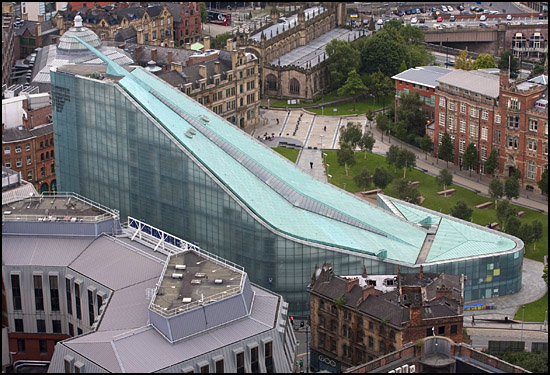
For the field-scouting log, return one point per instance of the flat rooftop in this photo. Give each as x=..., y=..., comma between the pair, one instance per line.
x=92, y=71
x=54, y=208
x=200, y=281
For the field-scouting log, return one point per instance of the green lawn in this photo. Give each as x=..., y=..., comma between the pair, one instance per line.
x=534, y=311
x=347, y=108
x=428, y=189
x=289, y=153
x=317, y=100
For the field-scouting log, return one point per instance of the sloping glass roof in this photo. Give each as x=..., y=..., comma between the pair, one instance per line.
x=416, y=216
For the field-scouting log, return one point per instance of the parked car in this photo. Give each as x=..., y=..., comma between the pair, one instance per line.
x=423, y=27
x=439, y=19
x=422, y=20
x=414, y=20
x=483, y=18
x=380, y=22
x=437, y=26
x=483, y=24
x=452, y=19
x=444, y=8
x=460, y=26
x=494, y=12
x=479, y=10
x=473, y=8
x=460, y=7
x=509, y=17
x=541, y=16
x=486, y=11
x=450, y=8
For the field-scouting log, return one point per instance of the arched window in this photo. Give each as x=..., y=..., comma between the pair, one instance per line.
x=294, y=86
x=271, y=82
x=531, y=170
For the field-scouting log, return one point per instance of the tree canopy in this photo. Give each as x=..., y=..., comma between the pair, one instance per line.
x=350, y=134
x=507, y=58
x=392, y=155
x=345, y=155
x=461, y=210
x=504, y=211
x=426, y=144
x=446, y=149
x=382, y=177
x=382, y=123
x=484, y=61
x=367, y=142
x=463, y=61
x=204, y=13
x=407, y=192
x=511, y=187
x=412, y=121
x=469, y=159
x=354, y=86
x=363, y=179
x=342, y=57
x=491, y=164
x=405, y=159
x=445, y=178
x=496, y=190
x=543, y=183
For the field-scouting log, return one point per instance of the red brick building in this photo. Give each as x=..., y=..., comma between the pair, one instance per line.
x=187, y=22
x=524, y=142
x=354, y=321
x=29, y=148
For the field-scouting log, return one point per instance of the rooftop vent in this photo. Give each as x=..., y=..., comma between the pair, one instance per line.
x=218, y=281
x=186, y=300
x=200, y=275
x=181, y=266
x=177, y=276
x=195, y=282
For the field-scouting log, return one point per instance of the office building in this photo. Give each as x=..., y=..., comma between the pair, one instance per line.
x=152, y=152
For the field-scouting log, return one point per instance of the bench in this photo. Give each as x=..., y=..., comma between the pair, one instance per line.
x=521, y=213
x=370, y=192
x=447, y=192
x=484, y=205
x=421, y=199
x=415, y=183
x=494, y=225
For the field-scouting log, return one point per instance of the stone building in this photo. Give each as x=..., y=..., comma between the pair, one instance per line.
x=143, y=25
x=291, y=52
x=524, y=129
x=227, y=82
x=357, y=319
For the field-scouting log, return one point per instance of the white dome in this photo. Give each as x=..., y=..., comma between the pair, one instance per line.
x=85, y=34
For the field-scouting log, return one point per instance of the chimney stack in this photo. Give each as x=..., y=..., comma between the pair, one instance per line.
x=217, y=67
x=229, y=44
x=206, y=42
x=169, y=57
x=351, y=283
x=504, y=79
x=421, y=275
x=154, y=55
x=202, y=71
x=364, y=274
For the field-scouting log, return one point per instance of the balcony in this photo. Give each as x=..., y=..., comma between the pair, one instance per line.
x=530, y=49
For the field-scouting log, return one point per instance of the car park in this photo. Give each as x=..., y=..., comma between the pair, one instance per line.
x=483, y=18
x=509, y=17
x=452, y=19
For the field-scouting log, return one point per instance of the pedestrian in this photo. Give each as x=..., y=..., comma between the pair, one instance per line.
x=473, y=320
x=277, y=121
x=311, y=164
x=325, y=128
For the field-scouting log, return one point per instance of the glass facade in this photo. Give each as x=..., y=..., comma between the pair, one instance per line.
x=112, y=151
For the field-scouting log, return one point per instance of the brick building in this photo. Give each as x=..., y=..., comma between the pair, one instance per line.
x=524, y=141
x=8, y=50
x=187, y=22
x=29, y=148
x=356, y=319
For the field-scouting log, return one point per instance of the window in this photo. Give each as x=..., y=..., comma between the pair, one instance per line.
x=52, y=168
x=38, y=293
x=442, y=102
x=473, y=112
x=8, y=163
x=392, y=336
x=532, y=144
x=452, y=122
x=69, y=297
x=484, y=133
x=322, y=340
x=461, y=146
x=268, y=355
x=514, y=104
x=18, y=162
x=545, y=148
x=205, y=369
x=371, y=326
x=497, y=118
x=16, y=292
x=29, y=160
x=531, y=170
x=513, y=121
x=54, y=293
x=99, y=303
x=496, y=137
x=462, y=126
x=321, y=321
x=240, y=362
x=79, y=331
x=40, y=325
x=77, y=300
x=294, y=86
x=67, y=366
x=20, y=345
x=91, y=306
x=463, y=108
x=254, y=364
x=533, y=125
x=43, y=345
x=17, y=149
x=333, y=345
x=18, y=325
x=484, y=115
x=441, y=330
x=483, y=152
x=71, y=329
x=219, y=366
x=441, y=119
x=473, y=130
x=371, y=342
x=452, y=106
x=454, y=329
x=381, y=347
x=56, y=324
x=360, y=337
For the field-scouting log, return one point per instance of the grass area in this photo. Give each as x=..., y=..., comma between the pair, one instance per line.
x=347, y=108
x=428, y=189
x=534, y=311
x=289, y=153
x=317, y=100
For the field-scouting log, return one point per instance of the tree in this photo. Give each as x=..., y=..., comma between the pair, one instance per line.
x=484, y=61
x=545, y=274
x=543, y=183
x=392, y=155
x=410, y=114
x=220, y=40
x=446, y=149
x=507, y=59
x=461, y=211
x=382, y=123
x=511, y=188
x=369, y=114
x=382, y=86
x=353, y=87
x=382, y=177
x=403, y=66
x=491, y=164
x=537, y=232
x=470, y=157
x=445, y=178
x=346, y=156
x=204, y=13
x=426, y=144
x=363, y=179
x=367, y=142
x=350, y=134
x=513, y=226
x=463, y=61
x=536, y=361
x=496, y=190
x=407, y=192
x=383, y=51
x=405, y=159
x=342, y=57
x=504, y=211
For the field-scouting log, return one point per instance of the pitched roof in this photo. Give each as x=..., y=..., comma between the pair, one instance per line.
x=175, y=10
x=422, y=75
x=475, y=81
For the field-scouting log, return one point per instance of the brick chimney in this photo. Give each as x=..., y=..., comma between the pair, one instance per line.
x=169, y=57
x=442, y=291
x=202, y=71
x=3, y=128
x=367, y=291
x=154, y=55
x=364, y=274
x=217, y=67
x=421, y=274
x=206, y=42
x=229, y=44
x=40, y=18
x=351, y=283
x=138, y=52
x=415, y=315
x=504, y=79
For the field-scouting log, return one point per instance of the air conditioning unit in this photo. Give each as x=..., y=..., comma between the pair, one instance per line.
x=177, y=276
x=186, y=300
x=181, y=266
x=218, y=281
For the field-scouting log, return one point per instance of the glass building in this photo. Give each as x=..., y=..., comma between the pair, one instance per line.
x=130, y=141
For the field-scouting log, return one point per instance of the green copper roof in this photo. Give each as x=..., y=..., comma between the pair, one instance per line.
x=417, y=216
x=287, y=199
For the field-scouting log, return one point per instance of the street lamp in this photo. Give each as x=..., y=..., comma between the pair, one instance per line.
x=522, y=317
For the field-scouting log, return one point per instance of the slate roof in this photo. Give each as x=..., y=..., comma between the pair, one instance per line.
x=175, y=10
x=422, y=75
x=128, y=35
x=475, y=81
x=179, y=55
x=16, y=133
x=192, y=72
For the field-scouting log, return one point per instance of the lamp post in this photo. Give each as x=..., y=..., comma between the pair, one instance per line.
x=522, y=317
x=307, y=349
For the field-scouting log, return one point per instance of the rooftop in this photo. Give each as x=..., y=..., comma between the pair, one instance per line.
x=483, y=83
x=422, y=75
